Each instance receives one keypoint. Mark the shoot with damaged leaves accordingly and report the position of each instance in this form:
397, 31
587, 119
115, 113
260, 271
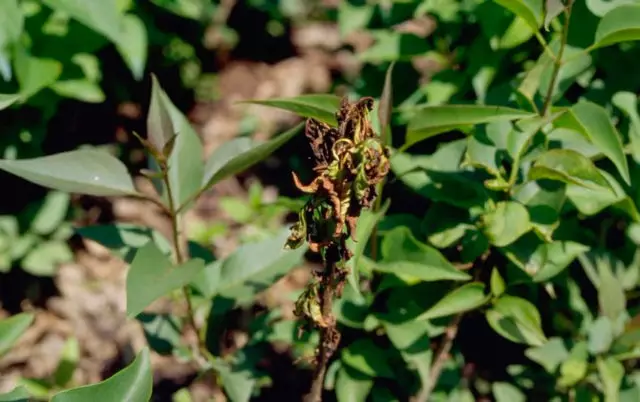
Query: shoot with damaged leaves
350, 161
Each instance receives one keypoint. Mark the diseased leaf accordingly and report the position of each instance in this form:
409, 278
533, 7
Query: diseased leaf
12, 328
467, 297
428, 121
621, 24
85, 171
321, 107
132, 384
152, 275
411, 260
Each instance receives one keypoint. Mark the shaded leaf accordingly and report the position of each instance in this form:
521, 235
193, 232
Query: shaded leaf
51, 214
600, 336
85, 171
611, 295
465, 298
321, 107
68, 362
407, 258
186, 167
621, 24
412, 340
428, 121
627, 102
12, 328
385, 105
352, 387
611, 374
497, 283
239, 154
124, 239
366, 357
553, 8
131, 384
45, 258
366, 224
152, 275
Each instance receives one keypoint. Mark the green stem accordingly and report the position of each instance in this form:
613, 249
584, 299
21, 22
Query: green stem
181, 256
558, 60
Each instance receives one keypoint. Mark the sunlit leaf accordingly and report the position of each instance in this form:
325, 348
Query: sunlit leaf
428, 121
152, 275
621, 24
321, 107
132, 44
465, 298
506, 223
570, 167
132, 384
101, 16
85, 171
529, 10
12, 328
516, 319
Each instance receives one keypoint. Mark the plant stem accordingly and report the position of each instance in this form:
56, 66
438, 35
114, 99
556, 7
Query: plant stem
329, 335
181, 256
441, 359
558, 60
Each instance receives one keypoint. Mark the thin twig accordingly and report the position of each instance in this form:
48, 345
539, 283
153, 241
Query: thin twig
558, 61
327, 335
441, 359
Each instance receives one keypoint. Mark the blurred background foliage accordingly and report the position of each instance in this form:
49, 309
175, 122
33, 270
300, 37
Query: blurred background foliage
77, 74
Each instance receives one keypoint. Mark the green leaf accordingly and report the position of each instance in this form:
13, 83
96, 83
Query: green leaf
11, 23
186, 167
385, 106
428, 121
444, 224
160, 128
240, 154
250, 269
516, 319
592, 201
366, 357
352, 386
406, 257
321, 107
497, 283
600, 336
68, 362
85, 171
611, 295
124, 239
238, 385
611, 374
529, 10
505, 392
35, 74
7, 100
549, 355
412, 340
593, 122
627, 102
544, 201
80, 89
574, 369
568, 166
575, 62
51, 214
390, 45
621, 24
553, 8
18, 394
506, 223
353, 17
152, 275
132, 384
163, 331
366, 224
45, 258
554, 258
467, 297
12, 328
101, 16
132, 44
